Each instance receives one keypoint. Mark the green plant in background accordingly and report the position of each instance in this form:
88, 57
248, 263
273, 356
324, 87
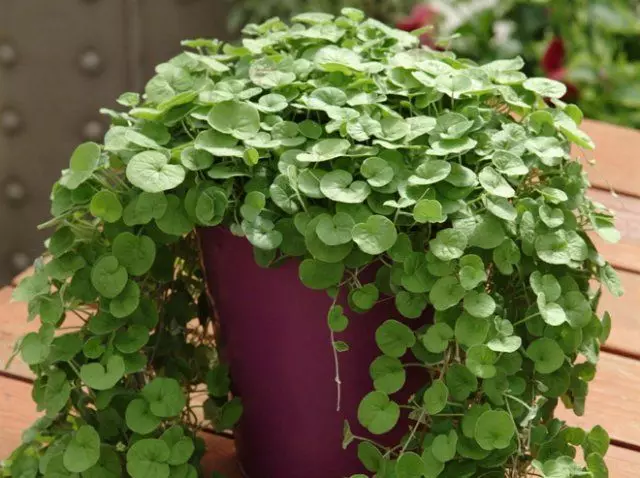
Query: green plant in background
245, 11
592, 45
336, 141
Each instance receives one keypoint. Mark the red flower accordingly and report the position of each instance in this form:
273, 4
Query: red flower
553, 66
421, 15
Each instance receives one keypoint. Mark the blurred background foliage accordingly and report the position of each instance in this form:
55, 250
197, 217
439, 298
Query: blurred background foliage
591, 45
104, 47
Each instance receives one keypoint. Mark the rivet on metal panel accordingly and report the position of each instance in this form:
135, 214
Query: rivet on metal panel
93, 130
8, 54
20, 261
10, 121
14, 191
90, 62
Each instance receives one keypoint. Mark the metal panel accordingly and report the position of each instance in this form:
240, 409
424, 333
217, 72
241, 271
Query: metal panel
60, 61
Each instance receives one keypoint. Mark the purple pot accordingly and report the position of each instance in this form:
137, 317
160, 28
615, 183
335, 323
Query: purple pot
279, 350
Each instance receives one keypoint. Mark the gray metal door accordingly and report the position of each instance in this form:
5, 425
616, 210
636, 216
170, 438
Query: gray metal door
60, 61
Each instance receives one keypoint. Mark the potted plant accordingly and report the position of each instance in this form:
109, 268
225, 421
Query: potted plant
311, 174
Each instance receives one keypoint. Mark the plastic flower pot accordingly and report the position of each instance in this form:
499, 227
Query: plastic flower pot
282, 364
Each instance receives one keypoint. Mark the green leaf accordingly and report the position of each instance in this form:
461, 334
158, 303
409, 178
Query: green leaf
325, 150
139, 418
339, 186
61, 241
545, 284
36, 346
435, 397
106, 205
375, 236
545, 87
508, 163
481, 360
229, 414
377, 171
214, 143
388, 374
553, 248
410, 305
377, 413
83, 451
309, 182
135, 253
430, 172
428, 210
365, 297
472, 271
546, 355
611, 280
310, 129
437, 337
335, 230
494, 183
152, 172
488, 232
479, 304
500, 207
504, 344
494, 430
336, 319
240, 120
165, 396
448, 244
597, 466
125, 303
446, 293
196, 159
597, 441
470, 330
103, 378
109, 277
147, 458
23, 466
320, 275
131, 339
444, 446
460, 382
83, 163
370, 456
394, 338
409, 465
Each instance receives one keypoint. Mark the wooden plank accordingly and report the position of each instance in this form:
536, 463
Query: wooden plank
613, 400
626, 253
625, 333
616, 157
13, 325
17, 412
622, 462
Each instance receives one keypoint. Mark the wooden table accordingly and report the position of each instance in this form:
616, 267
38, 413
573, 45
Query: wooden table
614, 398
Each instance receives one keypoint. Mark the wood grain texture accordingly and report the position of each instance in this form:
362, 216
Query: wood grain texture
17, 412
613, 400
616, 157
626, 253
625, 316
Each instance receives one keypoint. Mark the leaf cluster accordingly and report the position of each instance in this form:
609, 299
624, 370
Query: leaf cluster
341, 144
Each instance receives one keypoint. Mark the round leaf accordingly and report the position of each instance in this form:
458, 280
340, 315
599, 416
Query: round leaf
494, 430
152, 172
375, 236
377, 413
83, 451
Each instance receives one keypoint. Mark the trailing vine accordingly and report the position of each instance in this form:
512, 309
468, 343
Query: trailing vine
338, 142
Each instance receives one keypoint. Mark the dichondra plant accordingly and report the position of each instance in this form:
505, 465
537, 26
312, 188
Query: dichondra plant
340, 143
